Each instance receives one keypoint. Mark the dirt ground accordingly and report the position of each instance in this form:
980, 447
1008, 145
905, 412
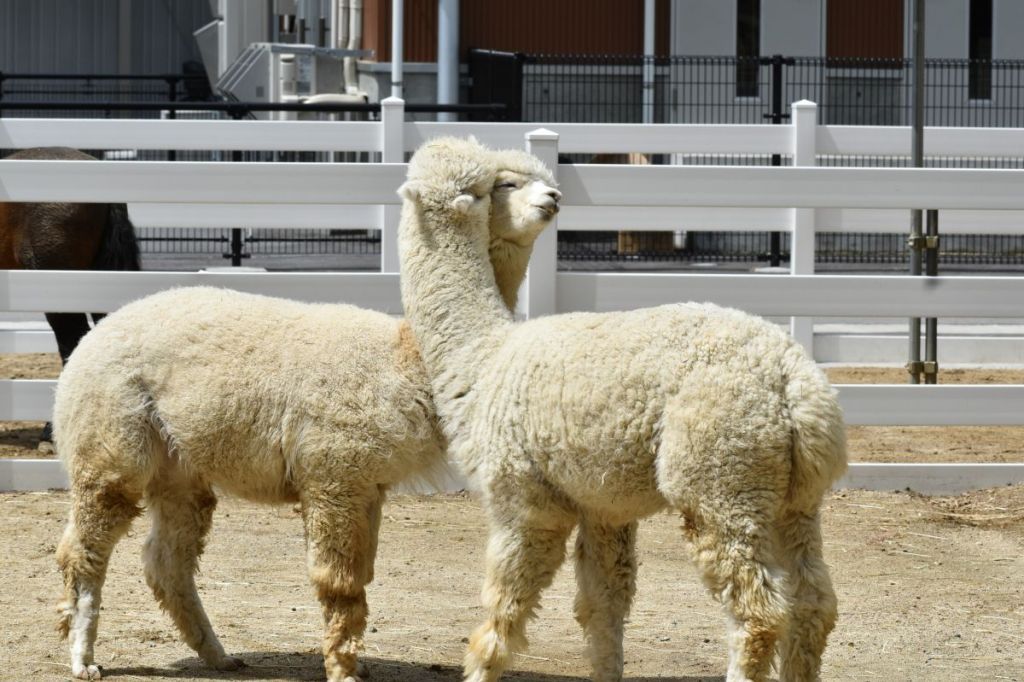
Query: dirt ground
929, 589
867, 443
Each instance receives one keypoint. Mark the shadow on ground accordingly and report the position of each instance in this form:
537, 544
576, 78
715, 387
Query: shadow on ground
309, 666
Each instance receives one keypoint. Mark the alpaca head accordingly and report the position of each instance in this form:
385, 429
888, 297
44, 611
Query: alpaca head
524, 199
468, 184
452, 179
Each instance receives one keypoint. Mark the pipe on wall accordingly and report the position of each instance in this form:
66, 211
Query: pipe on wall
355, 39
397, 31
447, 56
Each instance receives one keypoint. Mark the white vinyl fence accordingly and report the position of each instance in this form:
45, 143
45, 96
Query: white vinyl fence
801, 199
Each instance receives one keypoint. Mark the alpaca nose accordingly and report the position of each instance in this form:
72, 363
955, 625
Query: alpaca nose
555, 194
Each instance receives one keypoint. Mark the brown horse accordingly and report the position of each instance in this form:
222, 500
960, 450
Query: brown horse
54, 236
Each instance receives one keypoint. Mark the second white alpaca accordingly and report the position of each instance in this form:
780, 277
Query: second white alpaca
190, 391
597, 420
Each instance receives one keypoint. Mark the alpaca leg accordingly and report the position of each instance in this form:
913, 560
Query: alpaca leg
814, 602
182, 512
341, 536
606, 577
100, 514
736, 556
521, 561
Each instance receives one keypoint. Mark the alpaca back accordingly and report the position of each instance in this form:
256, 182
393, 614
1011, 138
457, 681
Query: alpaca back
587, 400
251, 392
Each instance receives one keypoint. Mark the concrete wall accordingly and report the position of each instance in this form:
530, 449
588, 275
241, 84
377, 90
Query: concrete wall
797, 27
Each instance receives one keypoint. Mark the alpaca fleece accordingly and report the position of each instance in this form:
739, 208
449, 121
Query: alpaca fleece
195, 390
596, 420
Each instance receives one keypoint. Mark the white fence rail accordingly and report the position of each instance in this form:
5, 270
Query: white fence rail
801, 199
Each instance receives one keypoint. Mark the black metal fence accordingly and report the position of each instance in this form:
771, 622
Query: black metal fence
114, 89
710, 90
696, 89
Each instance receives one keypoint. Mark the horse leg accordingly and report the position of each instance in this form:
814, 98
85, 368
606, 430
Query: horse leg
69, 328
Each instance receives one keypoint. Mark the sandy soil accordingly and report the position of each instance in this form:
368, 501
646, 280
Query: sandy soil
867, 443
930, 588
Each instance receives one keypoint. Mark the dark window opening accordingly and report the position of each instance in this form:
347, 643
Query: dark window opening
748, 47
979, 50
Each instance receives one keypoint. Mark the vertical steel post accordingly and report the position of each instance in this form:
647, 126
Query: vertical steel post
914, 365
172, 96
236, 254
777, 116
931, 324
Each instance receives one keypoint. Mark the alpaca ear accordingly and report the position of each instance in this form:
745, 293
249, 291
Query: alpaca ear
463, 203
408, 191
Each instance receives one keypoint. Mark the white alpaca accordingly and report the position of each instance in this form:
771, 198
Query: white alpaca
270, 400
598, 420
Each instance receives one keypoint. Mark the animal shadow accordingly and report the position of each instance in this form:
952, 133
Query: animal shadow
309, 666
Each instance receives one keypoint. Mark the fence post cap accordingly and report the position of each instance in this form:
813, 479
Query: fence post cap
541, 134
804, 104
392, 102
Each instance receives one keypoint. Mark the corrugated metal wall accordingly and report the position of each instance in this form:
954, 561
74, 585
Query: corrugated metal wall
84, 36
535, 26
161, 36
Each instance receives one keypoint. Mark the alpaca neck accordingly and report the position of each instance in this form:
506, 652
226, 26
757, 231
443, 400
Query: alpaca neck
451, 298
509, 261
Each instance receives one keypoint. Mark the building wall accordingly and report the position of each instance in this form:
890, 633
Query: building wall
99, 36
1008, 29
797, 28
568, 27
791, 27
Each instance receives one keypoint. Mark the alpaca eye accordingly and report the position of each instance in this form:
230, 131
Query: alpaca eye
505, 185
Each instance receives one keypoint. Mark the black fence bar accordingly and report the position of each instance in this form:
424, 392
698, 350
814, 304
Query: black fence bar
232, 108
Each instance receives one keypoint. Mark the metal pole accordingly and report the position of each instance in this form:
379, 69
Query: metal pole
236, 254
931, 329
777, 116
447, 56
916, 242
172, 96
648, 69
397, 31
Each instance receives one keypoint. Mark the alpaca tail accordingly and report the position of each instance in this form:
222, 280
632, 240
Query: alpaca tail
118, 248
819, 435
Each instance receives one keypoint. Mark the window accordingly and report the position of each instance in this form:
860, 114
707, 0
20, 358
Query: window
979, 50
748, 47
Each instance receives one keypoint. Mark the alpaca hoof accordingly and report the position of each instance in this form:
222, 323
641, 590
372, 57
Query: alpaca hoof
86, 672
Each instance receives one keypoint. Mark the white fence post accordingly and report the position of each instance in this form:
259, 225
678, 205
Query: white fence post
392, 145
537, 294
801, 260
